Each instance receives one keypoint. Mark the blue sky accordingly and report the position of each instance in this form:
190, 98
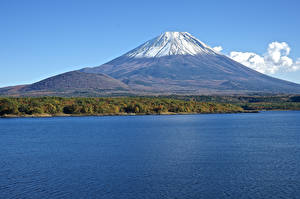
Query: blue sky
39, 38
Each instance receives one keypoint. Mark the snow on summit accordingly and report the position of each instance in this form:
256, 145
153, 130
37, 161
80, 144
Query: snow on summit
171, 43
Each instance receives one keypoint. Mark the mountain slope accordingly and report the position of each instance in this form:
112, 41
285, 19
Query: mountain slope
171, 43
70, 83
177, 62
77, 80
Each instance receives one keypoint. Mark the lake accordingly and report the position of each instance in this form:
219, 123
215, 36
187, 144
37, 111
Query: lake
168, 156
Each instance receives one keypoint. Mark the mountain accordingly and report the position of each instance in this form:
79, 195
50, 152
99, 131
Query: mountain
70, 83
177, 62
172, 63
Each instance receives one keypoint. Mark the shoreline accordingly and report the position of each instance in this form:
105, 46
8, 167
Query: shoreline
31, 107
112, 114
129, 114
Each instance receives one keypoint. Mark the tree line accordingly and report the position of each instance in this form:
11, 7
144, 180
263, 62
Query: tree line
108, 106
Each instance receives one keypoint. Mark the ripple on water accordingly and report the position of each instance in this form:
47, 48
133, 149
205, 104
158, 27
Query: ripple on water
180, 156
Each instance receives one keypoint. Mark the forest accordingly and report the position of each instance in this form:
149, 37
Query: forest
253, 102
63, 106
56, 106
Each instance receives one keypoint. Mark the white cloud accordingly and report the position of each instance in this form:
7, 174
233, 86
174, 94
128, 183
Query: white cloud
276, 50
276, 59
218, 48
252, 60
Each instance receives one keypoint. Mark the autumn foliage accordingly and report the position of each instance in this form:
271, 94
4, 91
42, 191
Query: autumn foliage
109, 106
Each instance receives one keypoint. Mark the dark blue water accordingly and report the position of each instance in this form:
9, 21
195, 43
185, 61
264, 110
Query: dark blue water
178, 156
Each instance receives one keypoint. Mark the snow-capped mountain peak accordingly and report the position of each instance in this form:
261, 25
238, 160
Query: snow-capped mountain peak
171, 43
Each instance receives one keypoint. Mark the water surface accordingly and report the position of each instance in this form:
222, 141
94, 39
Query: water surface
175, 156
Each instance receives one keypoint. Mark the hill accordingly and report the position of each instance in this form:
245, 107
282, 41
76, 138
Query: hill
70, 83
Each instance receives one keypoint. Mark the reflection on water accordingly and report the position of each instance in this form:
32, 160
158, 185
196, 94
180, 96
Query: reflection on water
177, 156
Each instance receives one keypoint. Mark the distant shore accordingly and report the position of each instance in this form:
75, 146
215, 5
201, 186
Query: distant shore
123, 114
11, 107
58, 106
